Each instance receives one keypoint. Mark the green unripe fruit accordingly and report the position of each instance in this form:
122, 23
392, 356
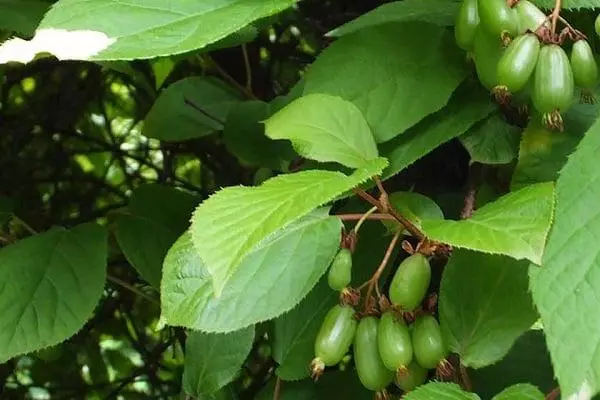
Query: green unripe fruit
393, 340
553, 84
530, 17
410, 282
334, 338
583, 65
497, 18
487, 52
465, 25
413, 376
597, 25
370, 368
517, 64
428, 345
340, 272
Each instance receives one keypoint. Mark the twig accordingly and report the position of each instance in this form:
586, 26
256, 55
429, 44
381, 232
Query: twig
409, 226
247, 68
386, 258
555, 15
553, 395
277, 390
132, 289
363, 219
25, 225
230, 79
358, 217
464, 376
470, 197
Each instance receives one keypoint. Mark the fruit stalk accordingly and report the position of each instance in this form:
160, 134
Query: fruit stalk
555, 15
375, 278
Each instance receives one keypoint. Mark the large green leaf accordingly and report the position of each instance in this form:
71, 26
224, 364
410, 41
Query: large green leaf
213, 360
520, 391
325, 128
399, 74
527, 361
134, 29
227, 225
171, 118
456, 118
22, 16
440, 391
245, 137
493, 142
438, 12
50, 284
516, 225
413, 206
270, 280
157, 216
295, 332
566, 288
567, 4
484, 305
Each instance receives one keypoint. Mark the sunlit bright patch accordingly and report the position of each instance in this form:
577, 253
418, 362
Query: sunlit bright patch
64, 44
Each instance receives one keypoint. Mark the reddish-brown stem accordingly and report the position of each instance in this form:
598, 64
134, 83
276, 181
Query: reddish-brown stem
470, 197
553, 395
386, 258
409, 226
277, 389
356, 217
555, 15
464, 377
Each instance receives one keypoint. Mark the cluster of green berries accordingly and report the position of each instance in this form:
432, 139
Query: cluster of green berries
386, 349
520, 59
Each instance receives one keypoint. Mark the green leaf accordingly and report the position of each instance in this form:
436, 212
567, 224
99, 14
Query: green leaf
568, 4
516, 225
415, 207
295, 332
493, 142
527, 361
145, 28
50, 284
565, 289
521, 391
245, 137
213, 360
273, 278
543, 153
325, 128
227, 225
399, 74
190, 108
7, 207
438, 12
22, 16
484, 305
440, 391
157, 216
452, 121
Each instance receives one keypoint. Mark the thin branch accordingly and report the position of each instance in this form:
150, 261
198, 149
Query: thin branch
409, 226
386, 258
230, 79
277, 390
553, 395
474, 179
555, 14
358, 217
464, 376
132, 289
247, 68
25, 225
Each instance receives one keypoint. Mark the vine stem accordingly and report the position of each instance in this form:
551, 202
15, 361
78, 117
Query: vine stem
363, 219
553, 395
358, 217
555, 15
247, 68
230, 79
386, 258
464, 376
25, 225
409, 226
132, 289
277, 390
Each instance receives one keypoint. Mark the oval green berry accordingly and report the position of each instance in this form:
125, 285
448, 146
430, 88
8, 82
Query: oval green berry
413, 376
371, 371
465, 25
340, 272
410, 282
428, 345
529, 15
583, 65
487, 52
498, 18
335, 335
393, 340
518, 63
